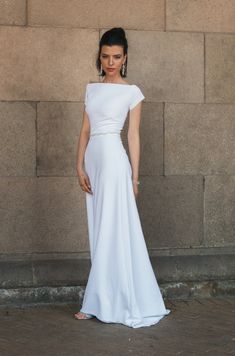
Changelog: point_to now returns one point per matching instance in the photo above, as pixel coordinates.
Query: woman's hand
(135, 188)
(84, 181)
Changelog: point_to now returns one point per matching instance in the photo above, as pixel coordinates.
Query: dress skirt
(122, 287)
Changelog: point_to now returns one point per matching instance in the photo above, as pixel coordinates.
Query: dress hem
(135, 326)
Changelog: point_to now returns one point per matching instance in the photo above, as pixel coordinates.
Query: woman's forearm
(82, 143)
(134, 150)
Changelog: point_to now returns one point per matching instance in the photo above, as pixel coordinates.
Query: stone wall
(181, 54)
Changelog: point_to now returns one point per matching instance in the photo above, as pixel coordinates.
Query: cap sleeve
(136, 97)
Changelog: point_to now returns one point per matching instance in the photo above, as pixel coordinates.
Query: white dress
(122, 287)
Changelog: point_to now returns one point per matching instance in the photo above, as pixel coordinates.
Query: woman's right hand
(84, 181)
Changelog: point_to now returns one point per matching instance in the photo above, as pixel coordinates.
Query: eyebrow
(117, 54)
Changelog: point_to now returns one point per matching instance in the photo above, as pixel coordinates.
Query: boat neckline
(112, 83)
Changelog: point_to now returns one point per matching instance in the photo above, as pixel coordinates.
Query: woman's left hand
(135, 188)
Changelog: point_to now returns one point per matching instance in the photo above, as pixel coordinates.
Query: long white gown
(122, 287)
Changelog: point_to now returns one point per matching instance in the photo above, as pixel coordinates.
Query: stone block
(220, 68)
(196, 267)
(62, 220)
(171, 211)
(17, 139)
(173, 70)
(58, 127)
(151, 139)
(200, 15)
(105, 13)
(15, 273)
(220, 210)
(42, 214)
(71, 269)
(13, 12)
(18, 214)
(61, 272)
(199, 139)
(46, 64)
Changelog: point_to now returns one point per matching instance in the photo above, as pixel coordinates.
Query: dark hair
(115, 36)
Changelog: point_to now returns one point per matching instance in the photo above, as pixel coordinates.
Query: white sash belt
(105, 133)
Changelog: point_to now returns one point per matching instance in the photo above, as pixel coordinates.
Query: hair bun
(120, 30)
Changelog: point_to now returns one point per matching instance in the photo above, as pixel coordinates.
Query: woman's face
(112, 58)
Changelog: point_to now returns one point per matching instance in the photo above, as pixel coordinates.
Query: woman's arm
(82, 143)
(133, 137)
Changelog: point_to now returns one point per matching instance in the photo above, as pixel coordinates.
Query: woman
(121, 287)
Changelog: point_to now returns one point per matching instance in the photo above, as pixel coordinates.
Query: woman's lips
(110, 69)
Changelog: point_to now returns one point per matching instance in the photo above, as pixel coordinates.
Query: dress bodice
(107, 105)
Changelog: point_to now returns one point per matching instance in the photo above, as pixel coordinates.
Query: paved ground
(198, 327)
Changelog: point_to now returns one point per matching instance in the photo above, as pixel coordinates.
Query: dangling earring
(123, 69)
(101, 70)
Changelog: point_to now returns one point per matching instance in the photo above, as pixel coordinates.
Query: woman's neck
(108, 79)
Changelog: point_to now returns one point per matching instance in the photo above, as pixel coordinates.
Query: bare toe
(80, 315)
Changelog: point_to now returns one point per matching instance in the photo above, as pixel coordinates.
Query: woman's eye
(116, 57)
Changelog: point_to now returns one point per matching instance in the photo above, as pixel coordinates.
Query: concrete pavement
(194, 327)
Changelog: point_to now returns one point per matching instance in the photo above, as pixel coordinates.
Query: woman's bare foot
(81, 315)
